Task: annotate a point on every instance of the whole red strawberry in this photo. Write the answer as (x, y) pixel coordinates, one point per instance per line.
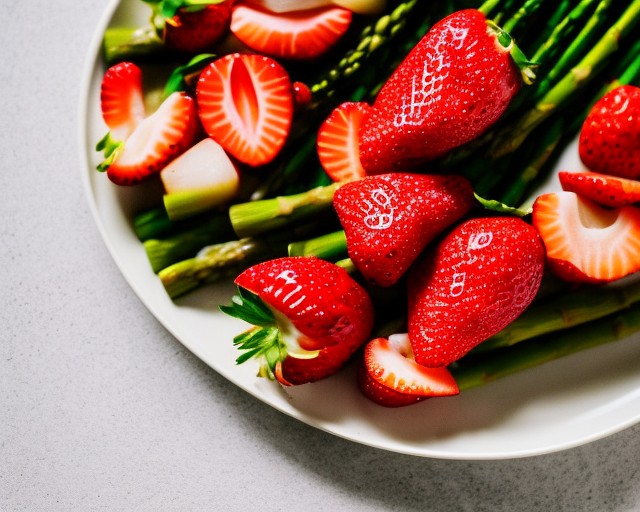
(197, 30)
(389, 219)
(479, 279)
(610, 137)
(455, 83)
(309, 317)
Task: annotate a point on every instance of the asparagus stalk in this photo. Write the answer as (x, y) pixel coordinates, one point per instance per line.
(474, 371)
(332, 246)
(216, 262)
(564, 311)
(256, 217)
(513, 136)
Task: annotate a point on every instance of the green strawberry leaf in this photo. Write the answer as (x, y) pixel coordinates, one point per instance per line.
(177, 82)
(498, 207)
(247, 306)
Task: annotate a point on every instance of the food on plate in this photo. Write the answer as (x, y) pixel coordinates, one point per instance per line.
(586, 242)
(610, 137)
(390, 218)
(601, 188)
(309, 317)
(302, 34)
(475, 282)
(390, 376)
(245, 103)
(368, 172)
(456, 82)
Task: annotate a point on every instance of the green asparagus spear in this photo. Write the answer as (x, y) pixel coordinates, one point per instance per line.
(474, 371)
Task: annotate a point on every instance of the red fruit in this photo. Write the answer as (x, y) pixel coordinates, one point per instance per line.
(585, 242)
(391, 377)
(479, 279)
(310, 317)
(197, 31)
(600, 188)
(610, 137)
(157, 140)
(389, 219)
(337, 142)
(245, 104)
(121, 99)
(455, 83)
(304, 34)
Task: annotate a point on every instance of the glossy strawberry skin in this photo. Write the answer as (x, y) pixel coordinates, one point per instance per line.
(389, 219)
(333, 313)
(482, 275)
(197, 31)
(609, 140)
(455, 83)
(603, 189)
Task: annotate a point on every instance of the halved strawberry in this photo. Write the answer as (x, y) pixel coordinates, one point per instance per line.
(601, 188)
(338, 142)
(245, 104)
(391, 377)
(304, 34)
(121, 99)
(585, 242)
(157, 140)
(309, 317)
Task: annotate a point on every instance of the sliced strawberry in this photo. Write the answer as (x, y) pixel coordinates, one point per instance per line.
(197, 30)
(309, 316)
(338, 142)
(291, 35)
(245, 104)
(585, 242)
(390, 218)
(392, 378)
(601, 188)
(121, 99)
(157, 140)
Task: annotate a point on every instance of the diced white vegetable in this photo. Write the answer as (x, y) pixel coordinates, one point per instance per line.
(202, 177)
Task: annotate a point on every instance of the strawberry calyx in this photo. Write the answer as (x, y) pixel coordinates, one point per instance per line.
(168, 8)
(110, 149)
(271, 339)
(527, 68)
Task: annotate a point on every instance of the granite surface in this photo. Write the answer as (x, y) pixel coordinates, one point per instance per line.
(102, 409)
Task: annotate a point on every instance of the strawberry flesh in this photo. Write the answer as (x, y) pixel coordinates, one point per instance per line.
(157, 140)
(454, 84)
(585, 242)
(304, 34)
(389, 219)
(121, 99)
(392, 378)
(478, 279)
(245, 104)
(603, 189)
(609, 140)
(337, 142)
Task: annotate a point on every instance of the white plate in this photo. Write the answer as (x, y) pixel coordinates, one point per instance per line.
(563, 404)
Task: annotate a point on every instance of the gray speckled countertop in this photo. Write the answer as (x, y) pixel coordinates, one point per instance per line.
(102, 409)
